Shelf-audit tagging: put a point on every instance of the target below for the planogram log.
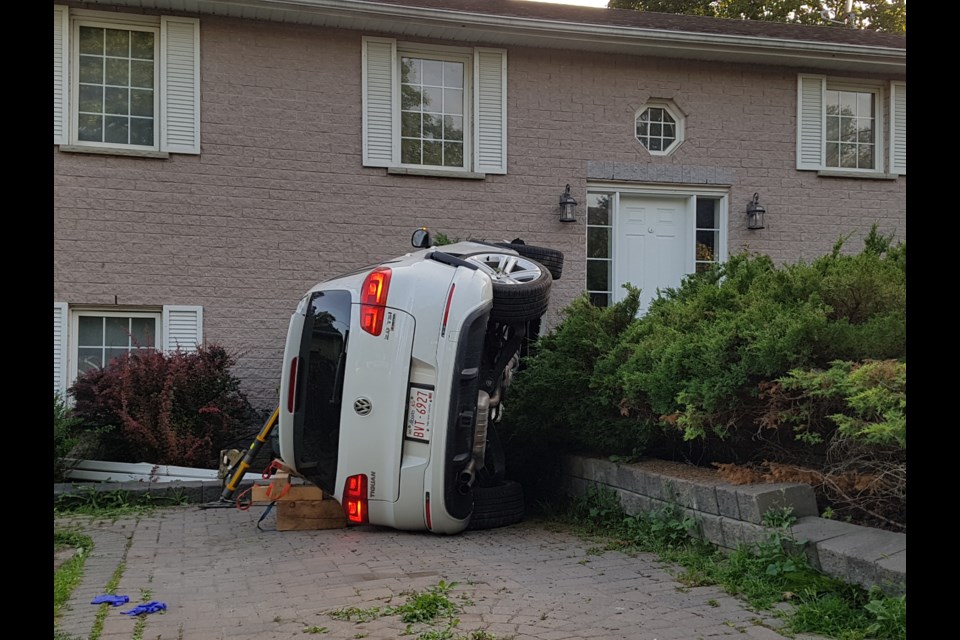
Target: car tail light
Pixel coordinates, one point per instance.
(355, 499)
(292, 391)
(427, 512)
(373, 300)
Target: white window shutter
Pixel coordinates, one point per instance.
(60, 348)
(810, 121)
(380, 91)
(898, 128)
(490, 110)
(182, 328)
(180, 85)
(61, 76)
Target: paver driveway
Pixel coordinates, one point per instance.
(223, 579)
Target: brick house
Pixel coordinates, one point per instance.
(214, 159)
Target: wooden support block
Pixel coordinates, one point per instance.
(306, 515)
(264, 494)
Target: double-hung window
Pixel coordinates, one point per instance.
(849, 127)
(434, 109)
(125, 83)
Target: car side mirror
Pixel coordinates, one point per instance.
(421, 238)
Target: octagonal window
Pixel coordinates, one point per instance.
(659, 128)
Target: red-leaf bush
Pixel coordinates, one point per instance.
(177, 408)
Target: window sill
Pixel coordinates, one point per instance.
(436, 173)
(104, 151)
(830, 173)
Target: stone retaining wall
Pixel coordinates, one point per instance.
(731, 515)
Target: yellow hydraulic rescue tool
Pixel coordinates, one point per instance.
(236, 473)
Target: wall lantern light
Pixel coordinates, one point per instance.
(568, 206)
(755, 213)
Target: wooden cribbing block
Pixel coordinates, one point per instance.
(265, 494)
(305, 515)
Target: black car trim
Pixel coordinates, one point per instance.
(453, 261)
(462, 419)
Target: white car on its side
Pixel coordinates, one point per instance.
(394, 376)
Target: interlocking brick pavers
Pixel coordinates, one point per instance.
(224, 579)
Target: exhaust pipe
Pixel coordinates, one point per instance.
(468, 474)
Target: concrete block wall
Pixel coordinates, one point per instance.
(731, 515)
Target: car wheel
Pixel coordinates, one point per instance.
(521, 286)
(550, 258)
(497, 506)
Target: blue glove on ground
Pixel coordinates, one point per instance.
(150, 607)
(111, 599)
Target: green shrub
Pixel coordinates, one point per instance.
(177, 408)
(608, 383)
(66, 428)
(863, 401)
(556, 401)
(702, 350)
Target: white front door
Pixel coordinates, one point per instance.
(653, 246)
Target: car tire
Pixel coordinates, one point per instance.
(497, 506)
(550, 258)
(521, 285)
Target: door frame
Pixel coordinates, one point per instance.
(688, 193)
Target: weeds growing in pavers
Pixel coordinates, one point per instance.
(146, 595)
(423, 607)
(67, 577)
(766, 574)
(110, 588)
(114, 504)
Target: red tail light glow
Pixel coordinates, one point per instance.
(355, 499)
(446, 311)
(373, 300)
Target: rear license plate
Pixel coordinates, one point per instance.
(420, 413)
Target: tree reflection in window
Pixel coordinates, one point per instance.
(708, 233)
(851, 123)
(599, 256)
(431, 112)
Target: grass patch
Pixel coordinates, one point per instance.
(87, 500)
(421, 608)
(146, 595)
(110, 588)
(67, 577)
(765, 574)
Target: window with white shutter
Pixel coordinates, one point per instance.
(86, 338)
(841, 128)
(440, 109)
(126, 82)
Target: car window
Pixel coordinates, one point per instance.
(323, 351)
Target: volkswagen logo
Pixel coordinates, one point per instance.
(362, 406)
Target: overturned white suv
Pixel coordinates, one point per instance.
(394, 378)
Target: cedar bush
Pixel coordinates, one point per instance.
(699, 355)
(178, 408)
(555, 396)
(604, 382)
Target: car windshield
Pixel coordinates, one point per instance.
(323, 354)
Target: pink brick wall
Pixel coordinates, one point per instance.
(278, 198)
